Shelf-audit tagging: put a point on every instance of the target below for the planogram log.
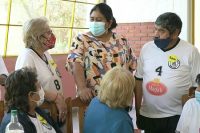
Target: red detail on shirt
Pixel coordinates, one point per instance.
(156, 88)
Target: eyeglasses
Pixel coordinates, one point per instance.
(47, 33)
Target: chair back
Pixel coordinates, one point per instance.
(81, 106)
(50, 106)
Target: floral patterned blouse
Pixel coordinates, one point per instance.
(98, 57)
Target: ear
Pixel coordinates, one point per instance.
(109, 24)
(176, 33)
(31, 96)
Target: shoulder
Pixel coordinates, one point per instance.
(188, 49)
(26, 54)
(149, 46)
(191, 103)
(187, 46)
(95, 101)
(27, 51)
(26, 58)
(96, 106)
(82, 37)
(4, 122)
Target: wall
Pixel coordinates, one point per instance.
(68, 81)
(197, 23)
(135, 11)
(136, 33)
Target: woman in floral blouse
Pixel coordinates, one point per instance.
(93, 53)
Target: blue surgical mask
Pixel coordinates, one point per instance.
(162, 43)
(97, 28)
(197, 96)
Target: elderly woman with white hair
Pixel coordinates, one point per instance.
(39, 38)
(107, 113)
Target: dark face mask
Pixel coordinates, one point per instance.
(162, 43)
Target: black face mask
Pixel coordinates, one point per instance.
(162, 43)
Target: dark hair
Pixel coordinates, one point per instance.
(198, 79)
(106, 11)
(18, 84)
(170, 21)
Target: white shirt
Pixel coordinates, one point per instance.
(47, 72)
(3, 69)
(166, 77)
(189, 121)
(41, 124)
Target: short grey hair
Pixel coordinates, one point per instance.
(170, 21)
(33, 29)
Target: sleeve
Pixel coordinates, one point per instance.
(24, 60)
(131, 59)
(139, 68)
(195, 63)
(76, 52)
(123, 127)
(3, 69)
(185, 119)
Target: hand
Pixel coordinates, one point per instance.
(86, 94)
(131, 65)
(61, 106)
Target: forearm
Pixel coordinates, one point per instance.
(59, 100)
(138, 95)
(51, 96)
(79, 76)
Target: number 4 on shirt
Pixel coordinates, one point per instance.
(159, 70)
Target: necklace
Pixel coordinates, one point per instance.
(44, 59)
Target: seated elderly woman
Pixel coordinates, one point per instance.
(107, 113)
(24, 93)
(189, 121)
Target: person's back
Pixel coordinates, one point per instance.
(107, 112)
(189, 121)
(103, 119)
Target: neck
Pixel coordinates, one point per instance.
(40, 52)
(172, 43)
(32, 111)
(105, 37)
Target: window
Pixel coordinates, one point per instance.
(66, 18)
